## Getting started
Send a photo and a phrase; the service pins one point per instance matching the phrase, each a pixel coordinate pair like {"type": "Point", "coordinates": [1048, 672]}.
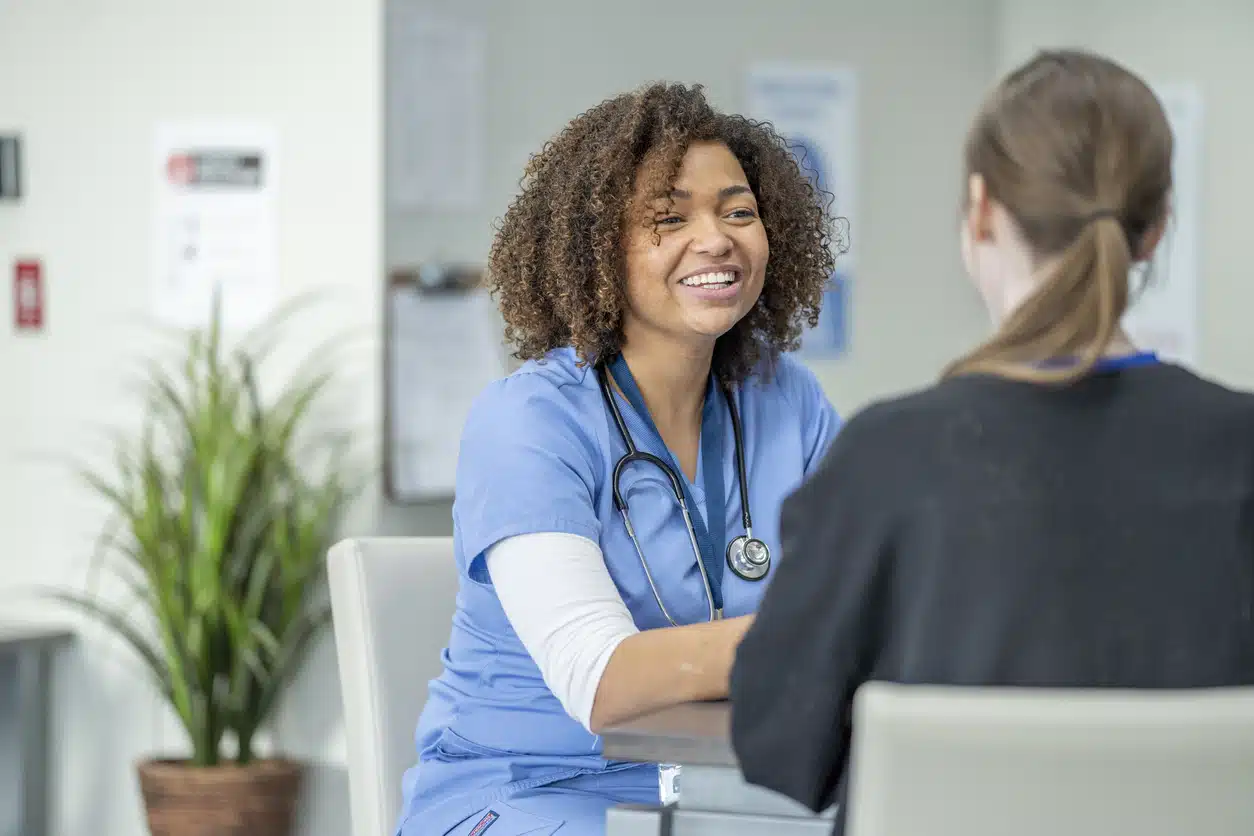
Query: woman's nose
{"type": "Point", "coordinates": [711, 238]}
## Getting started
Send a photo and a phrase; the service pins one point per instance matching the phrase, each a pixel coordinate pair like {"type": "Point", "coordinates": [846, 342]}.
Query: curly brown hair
{"type": "Point", "coordinates": [556, 263]}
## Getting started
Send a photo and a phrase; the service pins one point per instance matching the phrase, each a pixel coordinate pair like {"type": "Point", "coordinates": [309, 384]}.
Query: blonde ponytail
{"type": "Point", "coordinates": [1063, 329]}
{"type": "Point", "coordinates": [1077, 150]}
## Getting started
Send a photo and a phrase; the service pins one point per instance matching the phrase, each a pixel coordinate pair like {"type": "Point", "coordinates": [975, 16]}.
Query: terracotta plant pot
{"type": "Point", "coordinates": [254, 800]}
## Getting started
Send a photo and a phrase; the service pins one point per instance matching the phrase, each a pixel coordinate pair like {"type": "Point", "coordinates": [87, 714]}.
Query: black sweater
{"type": "Point", "coordinates": [988, 532]}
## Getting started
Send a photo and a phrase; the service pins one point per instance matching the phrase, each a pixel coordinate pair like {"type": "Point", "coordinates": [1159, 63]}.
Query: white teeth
{"type": "Point", "coordinates": [708, 279]}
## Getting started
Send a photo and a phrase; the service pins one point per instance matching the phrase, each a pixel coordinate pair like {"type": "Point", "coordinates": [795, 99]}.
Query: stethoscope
{"type": "Point", "coordinates": [747, 556]}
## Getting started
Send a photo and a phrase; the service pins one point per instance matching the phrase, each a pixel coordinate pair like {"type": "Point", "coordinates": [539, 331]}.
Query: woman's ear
{"type": "Point", "coordinates": [979, 218]}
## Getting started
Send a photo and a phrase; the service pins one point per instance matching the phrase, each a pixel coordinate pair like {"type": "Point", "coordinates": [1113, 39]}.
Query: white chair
{"type": "Point", "coordinates": [1030, 762]}
{"type": "Point", "coordinates": [392, 601]}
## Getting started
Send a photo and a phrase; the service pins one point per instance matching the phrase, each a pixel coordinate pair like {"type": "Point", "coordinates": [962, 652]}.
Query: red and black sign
{"type": "Point", "coordinates": [220, 168]}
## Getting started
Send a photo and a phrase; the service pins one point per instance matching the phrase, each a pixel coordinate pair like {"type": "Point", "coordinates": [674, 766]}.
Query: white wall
{"type": "Point", "coordinates": [85, 83]}
{"type": "Point", "coordinates": [1210, 43]}
{"type": "Point", "coordinates": [922, 68]}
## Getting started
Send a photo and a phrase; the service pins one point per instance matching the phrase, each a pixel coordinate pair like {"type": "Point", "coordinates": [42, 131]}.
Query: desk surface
{"type": "Point", "coordinates": [16, 632]}
{"type": "Point", "coordinates": [695, 734]}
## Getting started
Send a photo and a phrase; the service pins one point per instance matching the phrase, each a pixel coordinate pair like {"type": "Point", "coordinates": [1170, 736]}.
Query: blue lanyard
{"type": "Point", "coordinates": [711, 530]}
{"type": "Point", "coordinates": [1126, 361]}
{"type": "Point", "coordinates": [1112, 363]}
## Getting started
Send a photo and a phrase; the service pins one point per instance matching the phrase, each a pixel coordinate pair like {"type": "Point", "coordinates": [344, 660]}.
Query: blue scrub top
{"type": "Point", "coordinates": [537, 455]}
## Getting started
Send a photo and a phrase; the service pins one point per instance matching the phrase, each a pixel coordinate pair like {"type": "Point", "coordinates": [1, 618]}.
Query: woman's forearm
{"type": "Point", "coordinates": [560, 599]}
{"type": "Point", "coordinates": [658, 668]}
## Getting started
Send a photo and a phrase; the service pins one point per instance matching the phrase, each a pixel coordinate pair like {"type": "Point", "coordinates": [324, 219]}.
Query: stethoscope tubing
{"type": "Point", "coordinates": [636, 455]}
{"type": "Point", "coordinates": [741, 469]}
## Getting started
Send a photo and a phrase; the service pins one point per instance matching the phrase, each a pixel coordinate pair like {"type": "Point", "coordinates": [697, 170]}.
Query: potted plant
{"type": "Point", "coordinates": [224, 505]}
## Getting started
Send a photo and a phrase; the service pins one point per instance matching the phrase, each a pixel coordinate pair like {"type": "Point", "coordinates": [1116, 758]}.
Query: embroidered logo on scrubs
{"type": "Point", "coordinates": [484, 823]}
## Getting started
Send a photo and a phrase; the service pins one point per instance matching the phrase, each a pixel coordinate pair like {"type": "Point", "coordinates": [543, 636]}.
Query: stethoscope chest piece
{"type": "Point", "coordinates": [749, 558]}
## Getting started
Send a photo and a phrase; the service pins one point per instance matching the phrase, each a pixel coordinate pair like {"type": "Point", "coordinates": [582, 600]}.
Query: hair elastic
{"type": "Point", "coordinates": [1099, 215]}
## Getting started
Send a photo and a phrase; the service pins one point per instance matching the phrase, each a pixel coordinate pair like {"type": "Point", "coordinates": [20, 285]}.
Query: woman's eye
{"type": "Point", "coordinates": [743, 214]}
{"type": "Point", "coordinates": [669, 219]}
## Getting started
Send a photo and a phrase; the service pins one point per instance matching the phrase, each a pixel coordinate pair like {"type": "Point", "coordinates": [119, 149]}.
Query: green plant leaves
{"type": "Point", "coordinates": [223, 508]}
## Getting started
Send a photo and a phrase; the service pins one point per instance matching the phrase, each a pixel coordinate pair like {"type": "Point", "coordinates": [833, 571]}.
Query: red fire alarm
{"type": "Point", "coordinates": [28, 295]}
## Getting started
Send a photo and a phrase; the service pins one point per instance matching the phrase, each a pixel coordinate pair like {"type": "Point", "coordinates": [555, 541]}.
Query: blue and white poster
{"type": "Point", "coordinates": [815, 110]}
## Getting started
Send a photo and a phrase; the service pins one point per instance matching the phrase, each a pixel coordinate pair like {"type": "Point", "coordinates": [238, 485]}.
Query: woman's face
{"type": "Point", "coordinates": [696, 263]}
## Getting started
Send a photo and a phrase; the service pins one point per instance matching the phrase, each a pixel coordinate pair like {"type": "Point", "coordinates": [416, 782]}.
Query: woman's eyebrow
{"type": "Point", "coordinates": [723, 193]}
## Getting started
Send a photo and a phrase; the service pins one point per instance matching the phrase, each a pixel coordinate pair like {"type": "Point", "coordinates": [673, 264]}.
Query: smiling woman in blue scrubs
{"type": "Point", "coordinates": [657, 265]}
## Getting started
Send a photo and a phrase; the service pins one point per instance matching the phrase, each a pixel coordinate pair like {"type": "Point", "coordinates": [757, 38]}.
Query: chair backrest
{"type": "Point", "coordinates": [392, 601]}
{"type": "Point", "coordinates": [990, 762]}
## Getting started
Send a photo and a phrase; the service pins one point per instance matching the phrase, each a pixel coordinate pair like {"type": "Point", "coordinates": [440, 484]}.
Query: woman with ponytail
{"type": "Point", "coordinates": [1061, 508]}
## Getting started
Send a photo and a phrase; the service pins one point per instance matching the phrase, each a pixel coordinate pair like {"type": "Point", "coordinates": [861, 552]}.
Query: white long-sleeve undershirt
{"type": "Point", "coordinates": [561, 601]}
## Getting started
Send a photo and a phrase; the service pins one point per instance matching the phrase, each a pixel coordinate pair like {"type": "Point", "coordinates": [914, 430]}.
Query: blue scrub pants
{"type": "Point", "coordinates": [572, 807]}
{"type": "Point", "coordinates": [539, 812]}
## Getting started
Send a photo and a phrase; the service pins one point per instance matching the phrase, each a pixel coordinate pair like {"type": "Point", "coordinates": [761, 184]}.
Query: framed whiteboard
{"type": "Point", "coordinates": [443, 343]}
